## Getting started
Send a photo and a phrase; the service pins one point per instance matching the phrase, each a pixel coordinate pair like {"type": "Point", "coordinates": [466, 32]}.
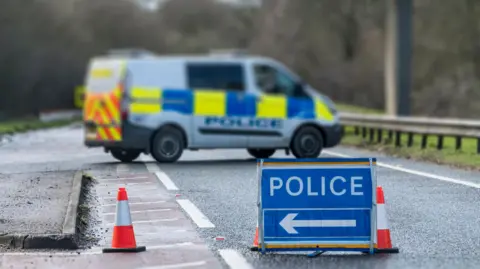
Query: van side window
{"type": "Point", "coordinates": [216, 76]}
{"type": "Point", "coordinates": [273, 81]}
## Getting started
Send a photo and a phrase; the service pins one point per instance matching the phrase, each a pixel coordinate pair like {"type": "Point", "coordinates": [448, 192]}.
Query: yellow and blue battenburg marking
{"type": "Point", "coordinates": [322, 204]}
{"type": "Point", "coordinates": [208, 102]}
{"type": "Point", "coordinates": [145, 100]}
{"type": "Point", "coordinates": [179, 101]}
{"type": "Point", "coordinates": [272, 107]}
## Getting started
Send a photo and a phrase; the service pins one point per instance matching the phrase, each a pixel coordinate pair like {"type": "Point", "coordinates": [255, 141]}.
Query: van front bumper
{"type": "Point", "coordinates": [333, 135]}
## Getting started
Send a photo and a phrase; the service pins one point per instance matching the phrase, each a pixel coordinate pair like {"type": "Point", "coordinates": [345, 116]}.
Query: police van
{"type": "Point", "coordinates": [162, 105]}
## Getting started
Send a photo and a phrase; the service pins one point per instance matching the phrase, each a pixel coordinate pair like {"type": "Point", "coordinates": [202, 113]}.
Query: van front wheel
{"type": "Point", "coordinates": [261, 153]}
{"type": "Point", "coordinates": [167, 145]}
{"type": "Point", "coordinates": [307, 143]}
{"type": "Point", "coordinates": [124, 155]}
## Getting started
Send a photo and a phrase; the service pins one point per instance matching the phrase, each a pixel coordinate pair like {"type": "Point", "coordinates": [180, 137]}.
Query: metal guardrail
{"type": "Point", "coordinates": [60, 115]}
{"type": "Point", "coordinates": [374, 127]}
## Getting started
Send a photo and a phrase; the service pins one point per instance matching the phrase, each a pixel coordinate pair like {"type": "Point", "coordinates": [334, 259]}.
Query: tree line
{"type": "Point", "coordinates": [336, 45]}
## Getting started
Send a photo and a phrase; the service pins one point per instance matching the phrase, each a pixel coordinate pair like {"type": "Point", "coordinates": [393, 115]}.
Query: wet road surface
{"type": "Point", "coordinates": [433, 211]}
{"type": "Point", "coordinates": [435, 223]}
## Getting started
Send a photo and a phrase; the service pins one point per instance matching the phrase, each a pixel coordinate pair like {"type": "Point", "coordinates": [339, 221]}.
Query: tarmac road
{"type": "Point", "coordinates": [435, 223]}
{"type": "Point", "coordinates": [433, 210]}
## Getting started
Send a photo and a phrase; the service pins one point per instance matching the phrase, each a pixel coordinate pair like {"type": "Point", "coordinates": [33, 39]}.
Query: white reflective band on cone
{"type": "Point", "coordinates": [382, 223]}
{"type": "Point", "coordinates": [123, 214]}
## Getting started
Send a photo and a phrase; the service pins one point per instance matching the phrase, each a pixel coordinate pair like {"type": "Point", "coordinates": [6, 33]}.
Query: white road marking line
{"type": "Point", "coordinates": [185, 244]}
{"type": "Point", "coordinates": [167, 182]}
{"type": "Point", "coordinates": [234, 259]}
{"type": "Point", "coordinates": [138, 203]}
{"type": "Point", "coordinates": [155, 220]}
{"type": "Point", "coordinates": [140, 211]}
{"type": "Point", "coordinates": [157, 233]}
{"type": "Point", "coordinates": [141, 233]}
{"type": "Point", "coordinates": [152, 167]}
{"type": "Point", "coordinates": [177, 265]}
{"type": "Point", "coordinates": [145, 221]}
{"type": "Point", "coordinates": [195, 214]}
{"type": "Point", "coordinates": [120, 178]}
{"type": "Point", "coordinates": [162, 177]}
{"type": "Point", "coordinates": [414, 172]}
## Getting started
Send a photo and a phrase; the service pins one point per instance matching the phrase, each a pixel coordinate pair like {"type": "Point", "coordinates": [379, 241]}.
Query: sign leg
{"type": "Point", "coordinates": [315, 254]}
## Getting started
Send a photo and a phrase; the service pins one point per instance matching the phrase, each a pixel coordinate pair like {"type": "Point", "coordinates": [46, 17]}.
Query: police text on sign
{"type": "Point", "coordinates": [338, 185]}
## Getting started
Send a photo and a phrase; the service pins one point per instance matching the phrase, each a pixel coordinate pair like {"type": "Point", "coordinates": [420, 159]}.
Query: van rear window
{"type": "Point", "coordinates": [104, 75]}
{"type": "Point", "coordinates": [216, 76]}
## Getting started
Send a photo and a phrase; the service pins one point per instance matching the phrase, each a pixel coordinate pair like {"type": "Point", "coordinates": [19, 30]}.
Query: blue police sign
{"type": "Point", "coordinates": [317, 204]}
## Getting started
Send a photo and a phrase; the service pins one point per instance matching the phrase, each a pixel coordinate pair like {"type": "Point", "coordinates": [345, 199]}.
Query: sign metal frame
{"type": "Point", "coordinates": [262, 246]}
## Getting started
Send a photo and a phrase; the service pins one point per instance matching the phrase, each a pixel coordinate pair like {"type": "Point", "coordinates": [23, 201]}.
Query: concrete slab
{"type": "Point", "coordinates": [39, 210]}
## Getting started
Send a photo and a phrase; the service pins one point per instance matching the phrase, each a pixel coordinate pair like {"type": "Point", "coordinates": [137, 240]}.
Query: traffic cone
{"type": "Point", "coordinates": [255, 240]}
{"type": "Point", "coordinates": [384, 241]}
{"type": "Point", "coordinates": [123, 235]}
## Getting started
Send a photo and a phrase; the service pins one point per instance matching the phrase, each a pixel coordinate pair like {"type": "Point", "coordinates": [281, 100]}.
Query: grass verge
{"type": "Point", "coordinates": [24, 125]}
{"type": "Point", "coordinates": [466, 157]}
{"type": "Point", "coordinates": [356, 109]}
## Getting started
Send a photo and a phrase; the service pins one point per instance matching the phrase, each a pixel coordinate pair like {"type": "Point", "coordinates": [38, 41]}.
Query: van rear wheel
{"type": "Point", "coordinates": [124, 155]}
{"type": "Point", "coordinates": [307, 143]}
{"type": "Point", "coordinates": [168, 145]}
{"type": "Point", "coordinates": [261, 153]}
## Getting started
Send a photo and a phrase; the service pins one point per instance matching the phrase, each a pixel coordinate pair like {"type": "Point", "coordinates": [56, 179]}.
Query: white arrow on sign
{"type": "Point", "coordinates": [289, 224]}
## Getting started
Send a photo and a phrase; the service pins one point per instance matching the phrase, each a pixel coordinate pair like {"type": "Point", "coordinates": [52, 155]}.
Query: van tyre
{"type": "Point", "coordinates": [261, 153]}
{"type": "Point", "coordinates": [125, 155]}
{"type": "Point", "coordinates": [307, 143]}
{"type": "Point", "coordinates": [167, 145]}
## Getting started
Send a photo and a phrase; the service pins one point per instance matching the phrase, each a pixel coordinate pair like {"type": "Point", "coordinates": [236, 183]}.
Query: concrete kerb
{"type": "Point", "coordinates": [68, 239]}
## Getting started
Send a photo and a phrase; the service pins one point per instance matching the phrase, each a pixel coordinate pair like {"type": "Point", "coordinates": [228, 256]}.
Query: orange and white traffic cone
{"type": "Point", "coordinates": [123, 235]}
{"type": "Point", "coordinates": [384, 241]}
{"type": "Point", "coordinates": [255, 240]}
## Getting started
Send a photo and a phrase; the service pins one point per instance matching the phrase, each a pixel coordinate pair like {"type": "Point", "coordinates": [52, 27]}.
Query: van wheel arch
{"type": "Point", "coordinates": [171, 125]}
{"type": "Point", "coordinates": [316, 126]}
